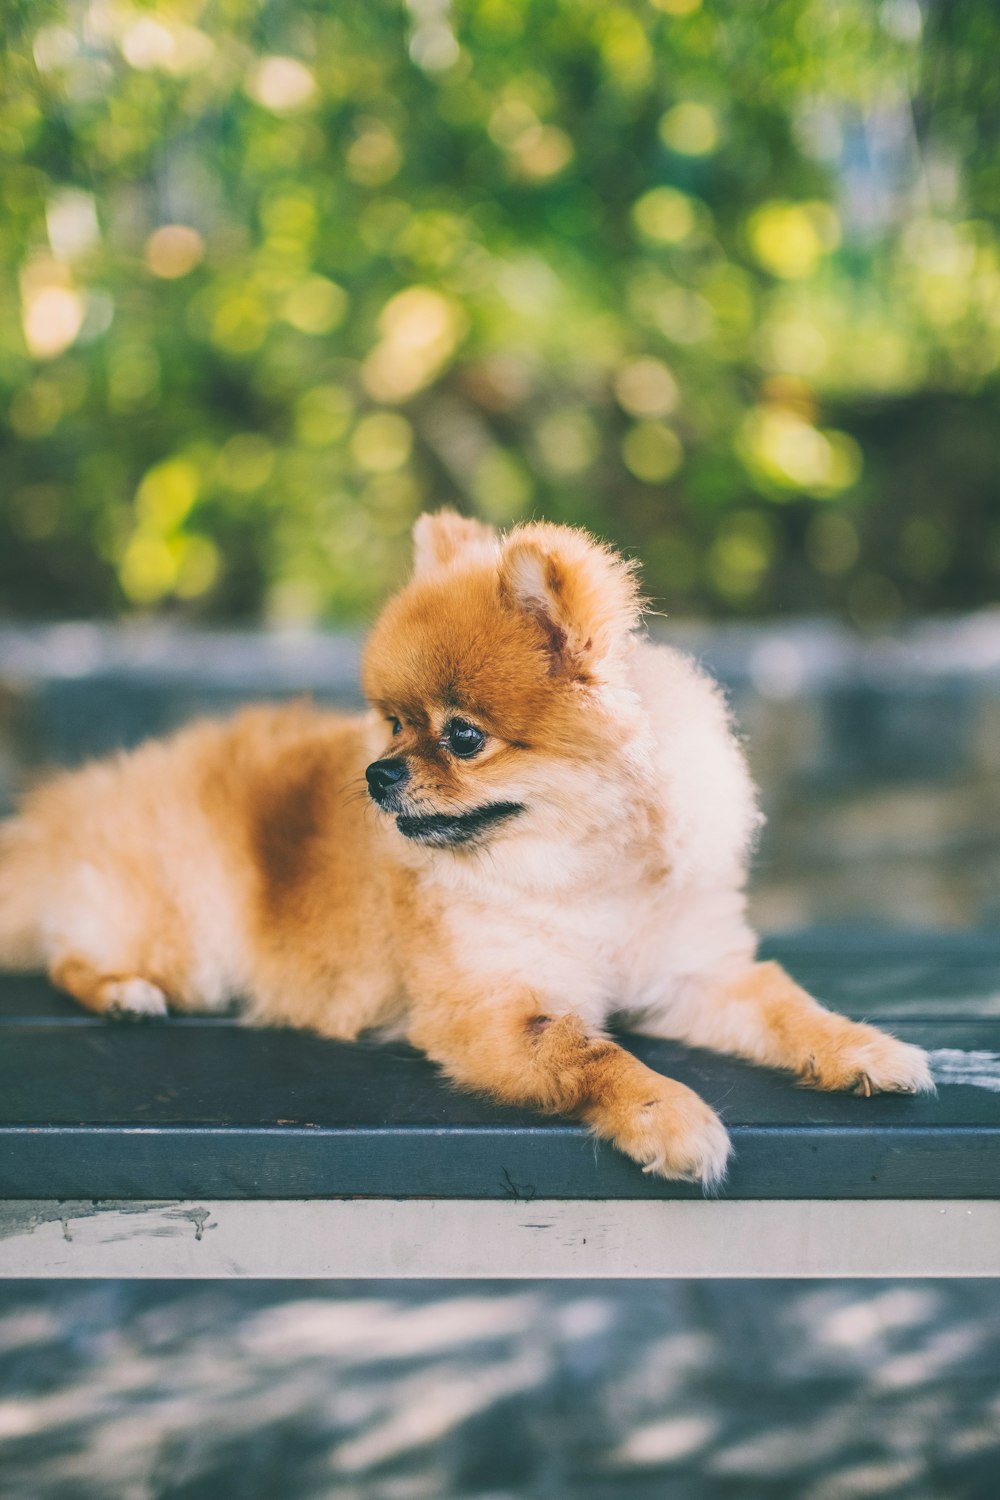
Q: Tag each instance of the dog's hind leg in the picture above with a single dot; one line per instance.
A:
(115, 995)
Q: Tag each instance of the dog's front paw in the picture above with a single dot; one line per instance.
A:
(862, 1060)
(674, 1134)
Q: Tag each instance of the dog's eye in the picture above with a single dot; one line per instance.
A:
(464, 739)
(395, 725)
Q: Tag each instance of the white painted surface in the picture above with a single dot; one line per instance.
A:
(454, 1238)
(980, 1070)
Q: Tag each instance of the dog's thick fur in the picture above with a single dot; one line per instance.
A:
(495, 904)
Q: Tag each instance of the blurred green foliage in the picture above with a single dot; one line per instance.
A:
(717, 278)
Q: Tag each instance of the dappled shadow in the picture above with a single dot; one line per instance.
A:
(416, 1391)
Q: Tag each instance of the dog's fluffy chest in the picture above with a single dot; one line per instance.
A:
(596, 952)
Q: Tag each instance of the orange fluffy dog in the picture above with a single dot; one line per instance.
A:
(555, 829)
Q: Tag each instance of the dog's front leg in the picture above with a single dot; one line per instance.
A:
(760, 1013)
(521, 1051)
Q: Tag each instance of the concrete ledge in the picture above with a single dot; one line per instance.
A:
(367, 1238)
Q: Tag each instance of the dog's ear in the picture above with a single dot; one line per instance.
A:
(583, 596)
(442, 538)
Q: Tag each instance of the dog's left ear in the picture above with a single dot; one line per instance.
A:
(583, 596)
(445, 537)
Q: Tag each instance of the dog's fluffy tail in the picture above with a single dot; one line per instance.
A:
(21, 889)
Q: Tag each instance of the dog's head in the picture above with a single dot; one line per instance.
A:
(499, 673)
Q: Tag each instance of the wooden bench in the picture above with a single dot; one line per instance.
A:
(197, 1147)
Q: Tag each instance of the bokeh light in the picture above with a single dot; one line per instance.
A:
(722, 284)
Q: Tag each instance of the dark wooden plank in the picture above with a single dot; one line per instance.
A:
(228, 1113)
(862, 972)
(198, 1108)
(888, 974)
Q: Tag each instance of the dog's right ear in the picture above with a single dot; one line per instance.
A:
(443, 538)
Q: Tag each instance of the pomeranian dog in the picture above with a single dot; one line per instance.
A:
(544, 821)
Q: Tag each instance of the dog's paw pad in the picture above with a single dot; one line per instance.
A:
(134, 1000)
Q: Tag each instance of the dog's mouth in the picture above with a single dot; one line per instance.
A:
(443, 830)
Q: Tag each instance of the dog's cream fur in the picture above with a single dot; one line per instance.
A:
(606, 875)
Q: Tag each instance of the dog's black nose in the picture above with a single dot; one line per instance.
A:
(383, 775)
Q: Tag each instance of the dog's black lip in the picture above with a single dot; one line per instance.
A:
(456, 828)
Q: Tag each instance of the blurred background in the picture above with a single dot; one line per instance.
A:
(587, 1390)
(719, 279)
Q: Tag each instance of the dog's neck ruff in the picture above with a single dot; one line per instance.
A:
(444, 830)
